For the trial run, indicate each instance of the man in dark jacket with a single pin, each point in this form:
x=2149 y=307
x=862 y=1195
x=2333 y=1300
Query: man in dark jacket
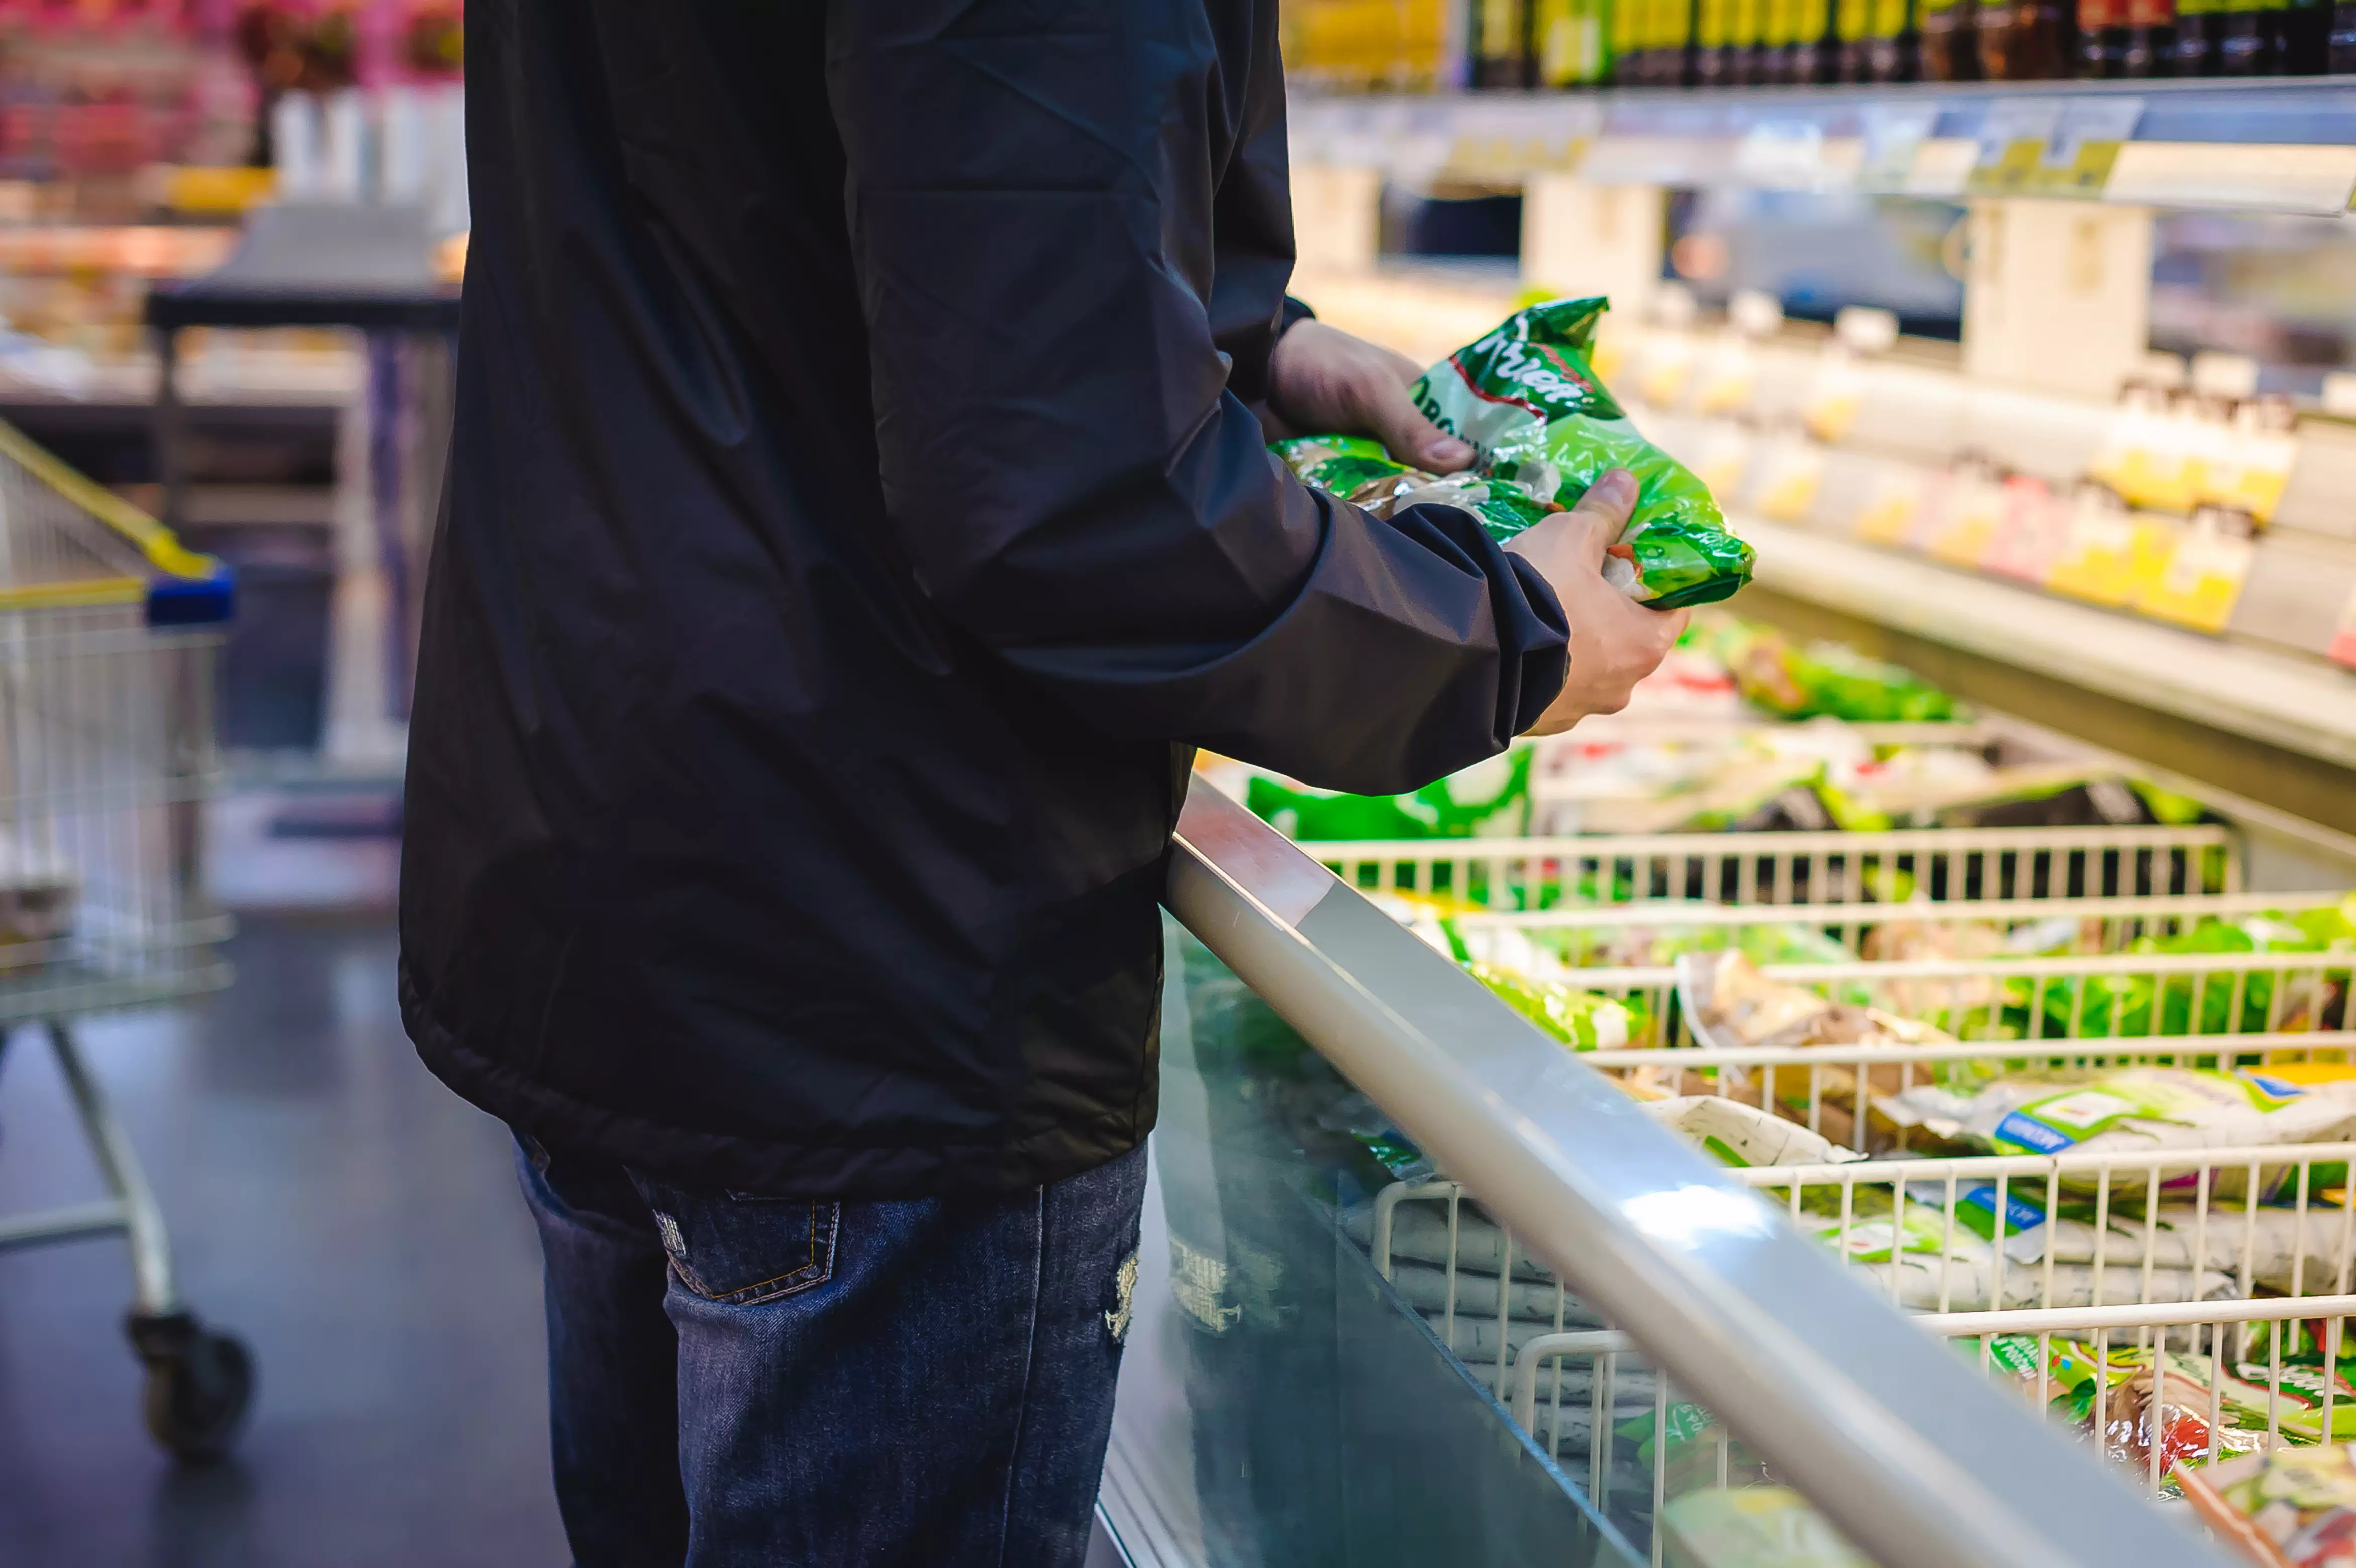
x=858 y=514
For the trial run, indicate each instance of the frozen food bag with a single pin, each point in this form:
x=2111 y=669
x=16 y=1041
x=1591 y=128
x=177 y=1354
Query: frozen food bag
x=1752 y=1527
x=1489 y=800
x=1358 y=469
x=1581 y=1019
x=1528 y=399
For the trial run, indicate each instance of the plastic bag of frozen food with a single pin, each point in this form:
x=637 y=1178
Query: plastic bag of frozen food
x=1362 y=471
x=1489 y=800
x=1581 y=1019
x=1528 y=399
x=1752 y=1527
x=2289 y=1506
x=1743 y=1136
x=2145 y=1110
x=1823 y=679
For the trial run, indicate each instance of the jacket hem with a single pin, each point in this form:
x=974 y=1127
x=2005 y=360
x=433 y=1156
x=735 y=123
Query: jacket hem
x=692 y=1157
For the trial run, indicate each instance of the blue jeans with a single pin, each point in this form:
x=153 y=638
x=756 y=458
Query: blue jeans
x=737 y=1379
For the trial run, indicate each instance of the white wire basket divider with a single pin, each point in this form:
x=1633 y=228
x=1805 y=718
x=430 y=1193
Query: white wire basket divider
x=108 y=631
x=1785 y=868
x=1919 y=925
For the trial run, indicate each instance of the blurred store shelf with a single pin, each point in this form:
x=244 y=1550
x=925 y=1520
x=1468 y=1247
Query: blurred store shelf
x=2278 y=144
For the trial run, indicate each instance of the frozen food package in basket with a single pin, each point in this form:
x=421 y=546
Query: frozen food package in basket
x=1743 y=1136
x=2291 y=1505
x=2151 y=1110
x=1583 y=1019
x=1489 y=800
x=1751 y=1527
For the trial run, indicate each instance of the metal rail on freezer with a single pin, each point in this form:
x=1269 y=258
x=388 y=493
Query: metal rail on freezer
x=1908 y=1450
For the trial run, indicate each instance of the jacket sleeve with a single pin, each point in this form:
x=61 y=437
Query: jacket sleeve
x=1030 y=190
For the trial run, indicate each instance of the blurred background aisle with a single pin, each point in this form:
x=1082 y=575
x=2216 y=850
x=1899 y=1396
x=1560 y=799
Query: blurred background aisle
x=336 y=1206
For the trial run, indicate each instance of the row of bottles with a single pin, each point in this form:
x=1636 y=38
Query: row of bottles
x=1742 y=43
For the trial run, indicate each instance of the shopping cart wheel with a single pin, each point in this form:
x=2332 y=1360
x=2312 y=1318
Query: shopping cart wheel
x=200 y=1382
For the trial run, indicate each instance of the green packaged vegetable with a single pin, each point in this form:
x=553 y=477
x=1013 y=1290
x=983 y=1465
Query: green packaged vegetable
x=1361 y=471
x=1489 y=800
x=1528 y=399
x=1581 y=1019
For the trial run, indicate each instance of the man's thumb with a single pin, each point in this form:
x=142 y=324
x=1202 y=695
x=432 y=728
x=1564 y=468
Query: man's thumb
x=1412 y=439
x=1602 y=512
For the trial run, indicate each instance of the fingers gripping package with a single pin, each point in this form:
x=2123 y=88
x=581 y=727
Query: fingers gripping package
x=1527 y=399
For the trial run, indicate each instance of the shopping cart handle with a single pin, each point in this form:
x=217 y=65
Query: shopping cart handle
x=193 y=601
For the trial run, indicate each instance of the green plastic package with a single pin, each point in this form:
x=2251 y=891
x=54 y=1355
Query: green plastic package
x=1358 y=469
x=1823 y=679
x=1488 y=799
x=1583 y=1020
x=1527 y=399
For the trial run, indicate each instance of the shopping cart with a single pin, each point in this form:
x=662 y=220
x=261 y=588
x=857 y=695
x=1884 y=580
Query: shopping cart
x=107 y=634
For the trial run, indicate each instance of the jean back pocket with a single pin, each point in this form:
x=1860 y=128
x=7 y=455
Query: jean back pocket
x=742 y=1249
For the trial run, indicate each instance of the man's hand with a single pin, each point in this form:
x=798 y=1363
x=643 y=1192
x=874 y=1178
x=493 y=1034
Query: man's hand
x=1322 y=379
x=1615 y=641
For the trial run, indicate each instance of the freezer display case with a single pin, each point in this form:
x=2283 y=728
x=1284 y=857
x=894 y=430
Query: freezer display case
x=1422 y=1284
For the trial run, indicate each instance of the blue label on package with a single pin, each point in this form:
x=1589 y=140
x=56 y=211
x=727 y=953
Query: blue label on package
x=2018 y=1214
x=2032 y=1133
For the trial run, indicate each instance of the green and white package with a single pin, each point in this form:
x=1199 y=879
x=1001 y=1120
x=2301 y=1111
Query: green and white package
x=1360 y=471
x=1489 y=800
x=1584 y=1020
x=2150 y=1109
x=1526 y=397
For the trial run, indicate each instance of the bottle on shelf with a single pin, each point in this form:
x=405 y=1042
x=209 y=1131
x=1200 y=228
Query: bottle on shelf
x=1951 y=48
x=2341 y=49
x=2148 y=47
x=1672 y=49
x=2298 y=38
x=1779 y=39
x=1714 y=59
x=1502 y=55
x=2024 y=40
x=2101 y=48
x=1816 y=53
x=1747 y=43
x=2198 y=25
x=2240 y=49
x=1891 y=45
x=1852 y=21
x=1572 y=47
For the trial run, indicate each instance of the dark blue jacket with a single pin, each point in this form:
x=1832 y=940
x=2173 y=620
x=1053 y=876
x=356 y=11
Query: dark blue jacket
x=857 y=513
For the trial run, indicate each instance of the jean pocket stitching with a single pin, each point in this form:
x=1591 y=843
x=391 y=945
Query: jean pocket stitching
x=817 y=1271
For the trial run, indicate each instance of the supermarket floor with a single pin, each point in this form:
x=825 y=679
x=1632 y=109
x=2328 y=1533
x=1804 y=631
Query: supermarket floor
x=357 y=1224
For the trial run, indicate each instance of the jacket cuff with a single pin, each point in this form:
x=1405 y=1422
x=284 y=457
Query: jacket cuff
x=1294 y=312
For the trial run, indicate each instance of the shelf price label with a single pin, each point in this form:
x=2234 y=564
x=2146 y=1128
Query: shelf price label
x=2085 y=144
x=1893 y=140
x=2013 y=138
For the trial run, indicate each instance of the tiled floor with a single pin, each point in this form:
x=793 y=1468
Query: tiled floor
x=353 y=1220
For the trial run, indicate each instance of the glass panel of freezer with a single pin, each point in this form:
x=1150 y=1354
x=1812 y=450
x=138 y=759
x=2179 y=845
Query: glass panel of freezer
x=1419 y=1286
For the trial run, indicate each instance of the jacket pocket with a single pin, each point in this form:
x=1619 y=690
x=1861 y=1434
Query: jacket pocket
x=741 y=1249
